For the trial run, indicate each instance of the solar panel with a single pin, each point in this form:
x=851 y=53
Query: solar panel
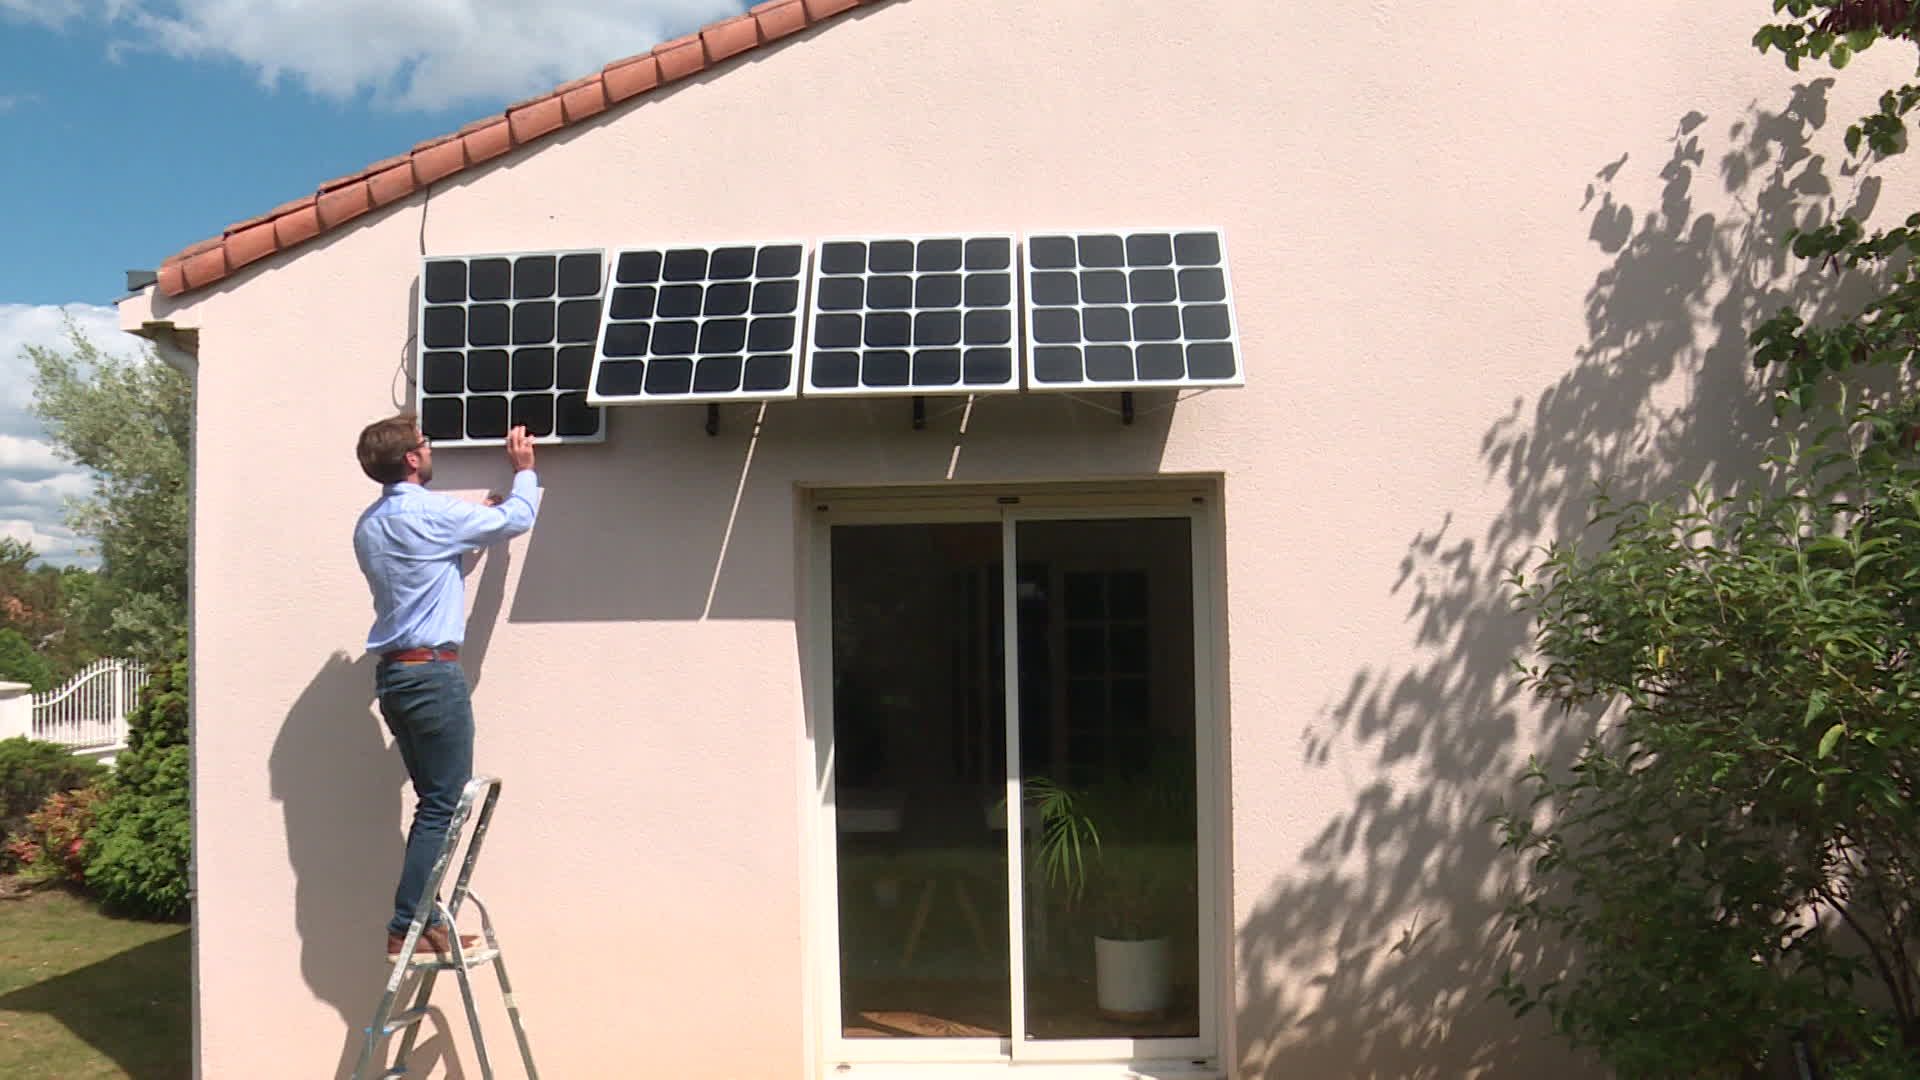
x=507 y=340
x=1126 y=310
x=913 y=315
x=691 y=323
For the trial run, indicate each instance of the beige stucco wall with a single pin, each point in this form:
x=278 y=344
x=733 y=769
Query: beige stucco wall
x=1483 y=255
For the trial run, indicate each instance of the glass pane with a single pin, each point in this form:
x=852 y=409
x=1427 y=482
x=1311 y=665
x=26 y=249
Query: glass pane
x=919 y=735
x=1107 y=754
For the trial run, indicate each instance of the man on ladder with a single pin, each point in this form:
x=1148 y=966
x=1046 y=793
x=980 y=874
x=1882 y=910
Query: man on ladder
x=411 y=545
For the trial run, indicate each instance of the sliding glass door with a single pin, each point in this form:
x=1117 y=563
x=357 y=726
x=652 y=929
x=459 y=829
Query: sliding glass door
x=1015 y=727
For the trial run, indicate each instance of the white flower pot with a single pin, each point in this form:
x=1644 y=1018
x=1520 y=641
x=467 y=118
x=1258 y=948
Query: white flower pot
x=1131 y=978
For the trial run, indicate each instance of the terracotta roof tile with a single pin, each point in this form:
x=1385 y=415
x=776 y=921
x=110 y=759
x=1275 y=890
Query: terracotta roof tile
x=535 y=120
x=516 y=106
x=343 y=204
x=730 y=37
x=778 y=18
x=195 y=249
x=392 y=185
x=585 y=100
x=345 y=198
x=827 y=9
x=339 y=182
x=249 y=245
x=680 y=57
x=632 y=77
x=297 y=227
x=489 y=142
x=241 y=226
x=291 y=205
x=442 y=159
x=208 y=266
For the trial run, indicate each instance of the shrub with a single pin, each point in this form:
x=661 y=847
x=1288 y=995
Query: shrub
x=19 y=663
x=159 y=718
x=31 y=771
x=53 y=844
x=1736 y=854
x=137 y=852
x=140 y=844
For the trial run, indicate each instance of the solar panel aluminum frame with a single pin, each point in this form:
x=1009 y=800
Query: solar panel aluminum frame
x=421 y=349
x=694 y=397
x=1028 y=307
x=1012 y=308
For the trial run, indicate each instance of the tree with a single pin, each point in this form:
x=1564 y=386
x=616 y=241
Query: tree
x=49 y=607
x=1735 y=855
x=1880 y=333
x=128 y=419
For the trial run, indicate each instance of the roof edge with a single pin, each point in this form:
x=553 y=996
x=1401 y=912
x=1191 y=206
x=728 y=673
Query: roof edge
x=345 y=198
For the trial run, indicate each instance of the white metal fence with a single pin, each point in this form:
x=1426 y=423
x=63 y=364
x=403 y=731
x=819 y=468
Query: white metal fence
x=90 y=711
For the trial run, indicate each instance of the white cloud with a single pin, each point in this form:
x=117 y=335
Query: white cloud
x=56 y=543
x=419 y=54
x=34 y=481
x=51 y=492
x=53 y=13
x=22 y=458
x=34 y=511
x=9 y=102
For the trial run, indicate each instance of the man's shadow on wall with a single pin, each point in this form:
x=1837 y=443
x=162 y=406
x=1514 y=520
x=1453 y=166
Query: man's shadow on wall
x=343 y=791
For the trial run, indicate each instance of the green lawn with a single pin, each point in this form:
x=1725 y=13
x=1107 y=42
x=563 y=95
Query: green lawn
x=88 y=997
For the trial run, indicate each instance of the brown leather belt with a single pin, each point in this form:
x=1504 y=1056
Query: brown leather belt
x=420 y=656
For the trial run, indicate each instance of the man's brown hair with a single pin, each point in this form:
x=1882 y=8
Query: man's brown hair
x=384 y=445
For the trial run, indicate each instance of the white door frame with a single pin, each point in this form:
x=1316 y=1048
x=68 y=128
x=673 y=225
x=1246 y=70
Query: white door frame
x=1195 y=501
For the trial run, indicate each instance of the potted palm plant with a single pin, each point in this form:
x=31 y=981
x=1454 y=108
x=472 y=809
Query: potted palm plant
x=1122 y=849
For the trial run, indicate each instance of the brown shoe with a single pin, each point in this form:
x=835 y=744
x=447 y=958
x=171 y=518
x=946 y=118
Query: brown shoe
x=434 y=948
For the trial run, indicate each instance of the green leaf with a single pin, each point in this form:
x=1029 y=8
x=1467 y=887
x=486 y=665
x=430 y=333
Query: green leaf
x=1840 y=56
x=1816 y=704
x=1828 y=741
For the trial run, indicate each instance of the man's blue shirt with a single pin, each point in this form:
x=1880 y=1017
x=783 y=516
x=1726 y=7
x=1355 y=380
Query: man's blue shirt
x=410 y=543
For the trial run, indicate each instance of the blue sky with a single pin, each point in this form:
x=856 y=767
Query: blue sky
x=132 y=128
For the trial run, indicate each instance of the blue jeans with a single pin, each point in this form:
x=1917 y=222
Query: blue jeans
x=430 y=712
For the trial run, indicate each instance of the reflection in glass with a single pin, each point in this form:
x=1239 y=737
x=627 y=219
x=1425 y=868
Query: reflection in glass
x=1107 y=760
x=920 y=772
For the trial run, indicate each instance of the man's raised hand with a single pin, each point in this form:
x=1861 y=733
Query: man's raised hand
x=519 y=449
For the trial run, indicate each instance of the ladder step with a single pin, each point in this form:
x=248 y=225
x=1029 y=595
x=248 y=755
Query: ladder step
x=475 y=957
x=404 y=1020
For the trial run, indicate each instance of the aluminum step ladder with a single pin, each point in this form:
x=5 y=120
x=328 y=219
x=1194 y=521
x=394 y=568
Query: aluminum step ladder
x=485 y=792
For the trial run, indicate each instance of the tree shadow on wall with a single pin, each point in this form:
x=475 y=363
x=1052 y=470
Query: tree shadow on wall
x=1375 y=957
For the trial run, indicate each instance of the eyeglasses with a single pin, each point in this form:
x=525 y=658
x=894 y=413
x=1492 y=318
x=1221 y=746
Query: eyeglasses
x=424 y=443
